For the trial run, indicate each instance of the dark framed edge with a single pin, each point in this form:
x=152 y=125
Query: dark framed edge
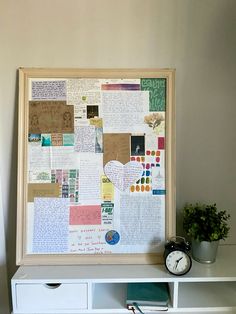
x=22 y=258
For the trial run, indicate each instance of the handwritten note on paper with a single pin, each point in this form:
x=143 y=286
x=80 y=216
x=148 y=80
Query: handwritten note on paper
x=124 y=111
x=116 y=147
x=81 y=92
x=85 y=215
x=72 y=91
x=90 y=178
x=39 y=157
x=88 y=239
x=49 y=90
x=43 y=190
x=50 y=117
x=92 y=97
x=64 y=157
x=123 y=176
x=90 y=84
x=51 y=225
x=143 y=227
x=85 y=139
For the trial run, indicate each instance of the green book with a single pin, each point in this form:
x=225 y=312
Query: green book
x=148 y=293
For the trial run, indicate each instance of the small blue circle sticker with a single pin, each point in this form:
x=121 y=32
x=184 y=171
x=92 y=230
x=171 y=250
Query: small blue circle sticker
x=112 y=237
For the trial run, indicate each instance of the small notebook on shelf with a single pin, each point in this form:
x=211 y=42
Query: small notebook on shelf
x=148 y=296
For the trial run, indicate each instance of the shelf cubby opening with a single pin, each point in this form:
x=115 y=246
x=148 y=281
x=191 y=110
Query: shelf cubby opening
x=207 y=294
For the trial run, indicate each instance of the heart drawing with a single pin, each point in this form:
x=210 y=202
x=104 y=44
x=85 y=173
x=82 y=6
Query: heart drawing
x=123 y=176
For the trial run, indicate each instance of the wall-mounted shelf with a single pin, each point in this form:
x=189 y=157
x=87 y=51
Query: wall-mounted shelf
x=102 y=288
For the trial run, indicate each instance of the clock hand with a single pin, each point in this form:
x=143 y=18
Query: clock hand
x=177 y=262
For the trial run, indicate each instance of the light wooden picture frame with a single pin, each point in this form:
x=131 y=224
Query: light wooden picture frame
x=72 y=208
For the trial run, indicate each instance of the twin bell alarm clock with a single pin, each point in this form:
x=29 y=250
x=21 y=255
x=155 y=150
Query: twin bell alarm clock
x=176 y=256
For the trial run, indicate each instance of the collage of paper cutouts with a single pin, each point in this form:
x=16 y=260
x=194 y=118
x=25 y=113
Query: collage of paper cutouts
x=96 y=165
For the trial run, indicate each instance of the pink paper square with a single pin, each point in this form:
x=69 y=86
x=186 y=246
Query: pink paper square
x=85 y=215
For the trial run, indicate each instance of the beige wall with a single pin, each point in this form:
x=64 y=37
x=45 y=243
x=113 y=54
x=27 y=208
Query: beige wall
x=197 y=37
x=4 y=305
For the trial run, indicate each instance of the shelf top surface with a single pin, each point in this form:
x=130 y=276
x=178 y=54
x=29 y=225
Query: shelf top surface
x=223 y=269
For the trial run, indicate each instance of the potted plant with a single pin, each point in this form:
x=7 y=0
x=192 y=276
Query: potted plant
x=206 y=226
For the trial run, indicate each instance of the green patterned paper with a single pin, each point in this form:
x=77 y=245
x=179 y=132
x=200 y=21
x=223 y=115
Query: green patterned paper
x=157 y=92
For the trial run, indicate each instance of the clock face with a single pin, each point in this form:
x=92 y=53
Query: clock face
x=178 y=262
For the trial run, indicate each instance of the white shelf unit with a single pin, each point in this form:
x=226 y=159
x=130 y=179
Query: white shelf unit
x=102 y=288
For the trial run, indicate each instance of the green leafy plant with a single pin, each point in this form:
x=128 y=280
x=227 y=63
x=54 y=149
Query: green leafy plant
x=205 y=223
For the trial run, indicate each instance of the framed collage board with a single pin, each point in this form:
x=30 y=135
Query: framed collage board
x=96 y=166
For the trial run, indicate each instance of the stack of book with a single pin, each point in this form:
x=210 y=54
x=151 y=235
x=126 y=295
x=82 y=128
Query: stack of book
x=147 y=296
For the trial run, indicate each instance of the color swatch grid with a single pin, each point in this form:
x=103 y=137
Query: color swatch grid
x=150 y=160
